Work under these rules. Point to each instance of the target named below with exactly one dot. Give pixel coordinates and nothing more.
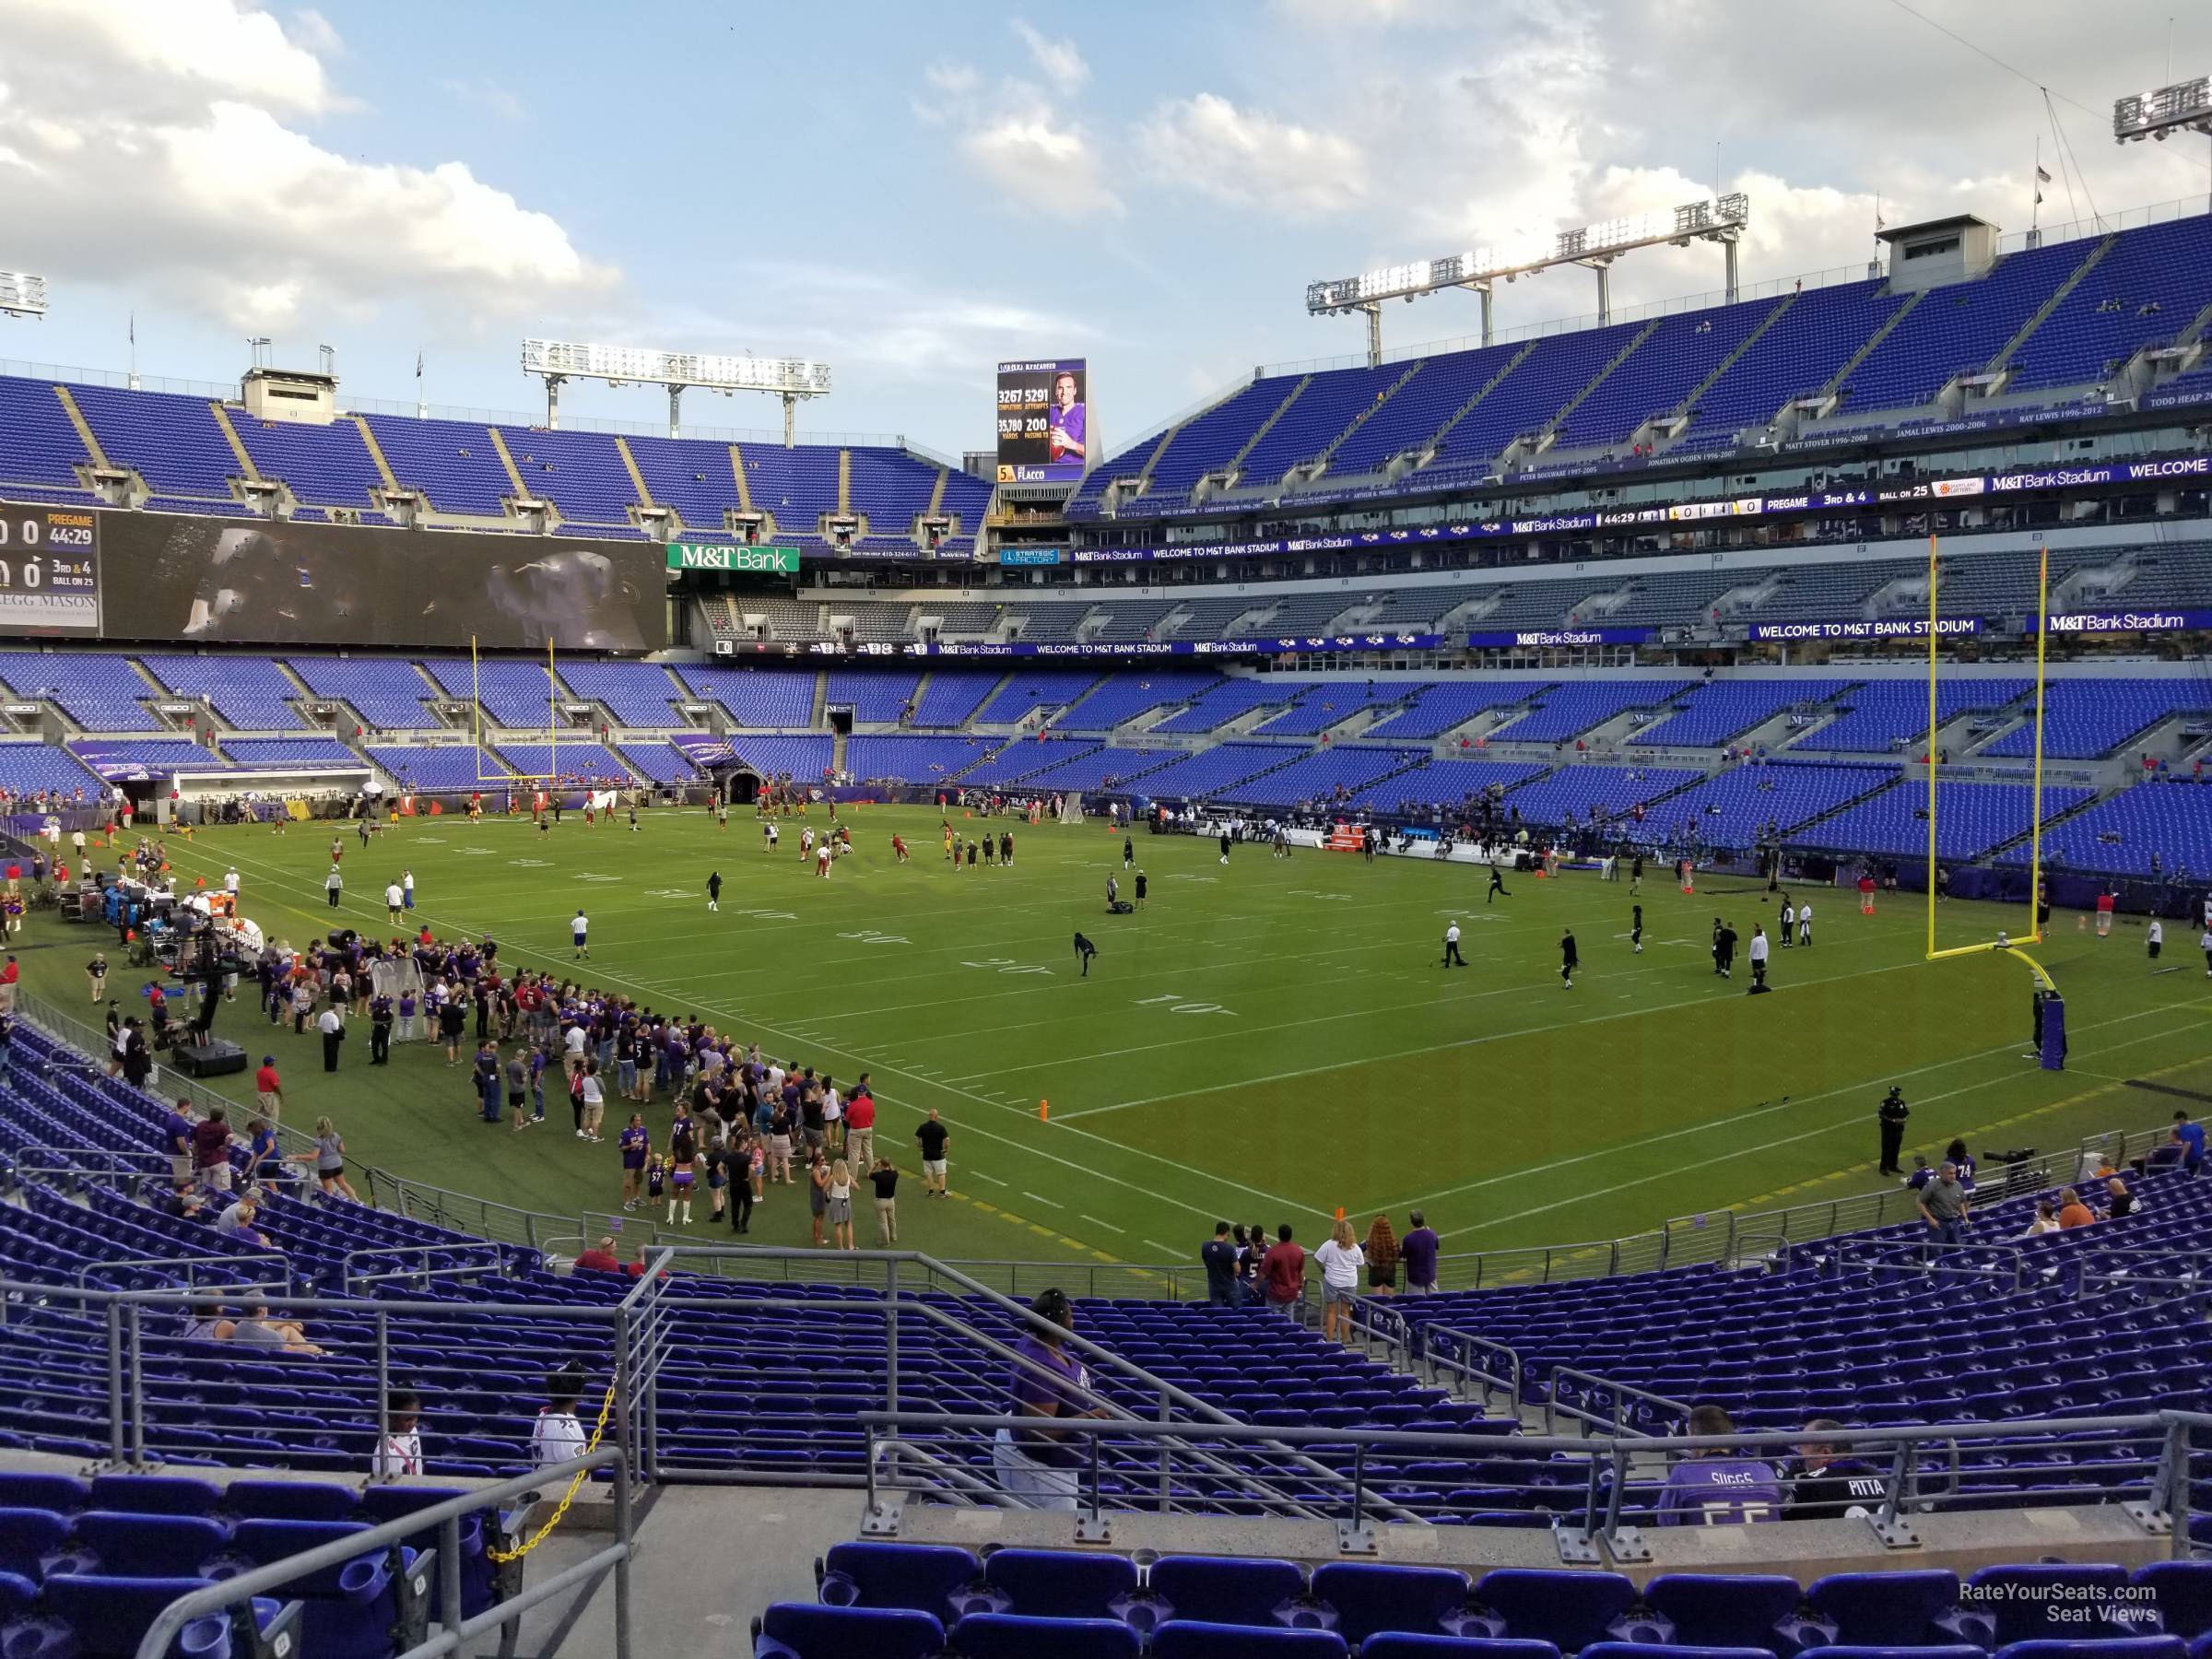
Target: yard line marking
(1457, 1042)
(1109, 1225)
(783, 1033)
(1759, 1112)
(1736, 1152)
(1165, 1249)
(979, 1175)
(1040, 1199)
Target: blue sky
(913, 192)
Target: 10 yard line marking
(1109, 1225)
(1165, 1249)
(1040, 1199)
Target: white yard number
(1176, 1004)
(868, 935)
(1005, 965)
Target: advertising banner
(2144, 621)
(714, 555)
(1031, 556)
(1547, 638)
(1861, 627)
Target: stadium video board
(1045, 421)
(49, 570)
(281, 583)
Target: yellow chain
(567, 1497)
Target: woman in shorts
(779, 1145)
(1340, 1260)
(329, 1159)
(838, 1194)
(1382, 1258)
(818, 1193)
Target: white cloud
(489, 96)
(1049, 167)
(891, 328)
(1059, 61)
(1249, 158)
(954, 80)
(1026, 148)
(184, 175)
(156, 58)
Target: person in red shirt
(1283, 1272)
(601, 1257)
(2105, 901)
(270, 1088)
(860, 1126)
(1866, 895)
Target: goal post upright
(2034, 932)
(2035, 805)
(1928, 759)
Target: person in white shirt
(1758, 958)
(2156, 937)
(557, 1435)
(230, 882)
(399, 1453)
(1452, 954)
(1804, 922)
(395, 899)
(1340, 1259)
(332, 1026)
(580, 931)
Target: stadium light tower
(788, 377)
(23, 295)
(2184, 107)
(1594, 247)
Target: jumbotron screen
(1044, 421)
(269, 583)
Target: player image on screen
(1064, 432)
(1044, 431)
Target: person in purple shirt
(1066, 425)
(1417, 1249)
(1712, 1486)
(1039, 1467)
(635, 1141)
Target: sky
(913, 192)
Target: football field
(1266, 1040)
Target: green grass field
(1266, 1040)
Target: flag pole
(2035, 188)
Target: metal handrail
(446, 1517)
(1447, 1349)
(284, 1281)
(404, 1274)
(1553, 1409)
(2175, 1428)
(1169, 1394)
